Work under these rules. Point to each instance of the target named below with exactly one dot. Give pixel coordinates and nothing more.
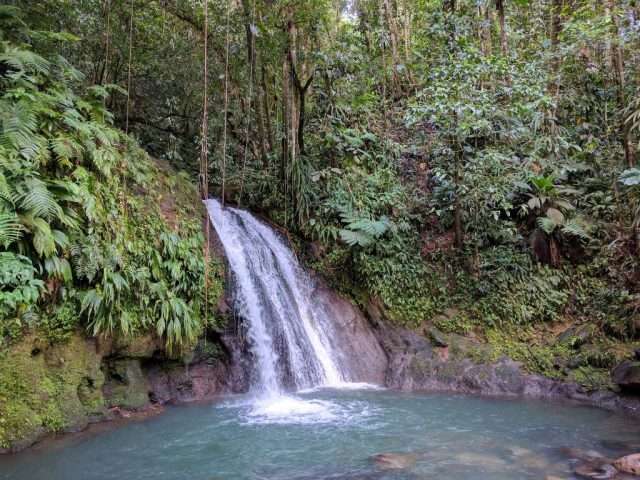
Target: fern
(60, 207)
(36, 199)
(356, 239)
(362, 232)
(375, 228)
(576, 228)
(630, 177)
(546, 224)
(10, 229)
(23, 61)
(66, 149)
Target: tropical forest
(319, 239)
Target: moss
(126, 385)
(453, 321)
(47, 388)
(529, 348)
(591, 378)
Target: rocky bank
(64, 387)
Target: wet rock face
(416, 363)
(126, 386)
(62, 388)
(175, 382)
(45, 388)
(452, 363)
(136, 382)
(358, 346)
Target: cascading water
(289, 333)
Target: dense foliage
(80, 225)
(475, 156)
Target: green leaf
(630, 177)
(353, 239)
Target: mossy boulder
(577, 335)
(45, 388)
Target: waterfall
(290, 334)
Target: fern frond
(10, 229)
(630, 177)
(38, 200)
(546, 224)
(576, 228)
(356, 238)
(23, 61)
(375, 228)
(66, 149)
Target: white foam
(349, 386)
(290, 409)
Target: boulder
(577, 335)
(629, 464)
(627, 375)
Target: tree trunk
(617, 54)
(292, 57)
(266, 105)
(457, 212)
(556, 29)
(302, 94)
(504, 46)
(286, 111)
(252, 59)
(389, 17)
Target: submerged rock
(584, 455)
(621, 446)
(629, 464)
(597, 471)
(485, 461)
(535, 462)
(394, 461)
